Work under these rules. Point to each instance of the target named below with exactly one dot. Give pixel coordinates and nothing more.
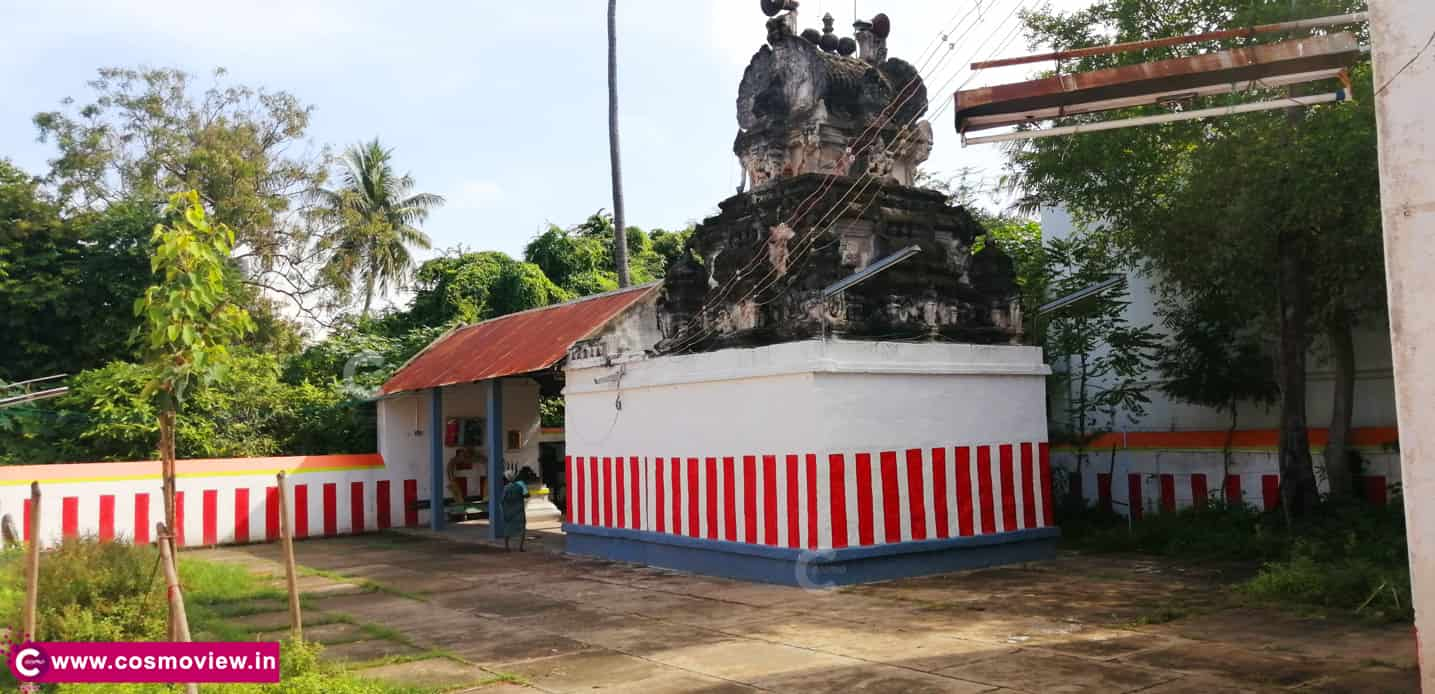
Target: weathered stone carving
(830, 144)
(750, 291)
(806, 105)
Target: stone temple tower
(830, 137)
(785, 434)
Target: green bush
(251, 412)
(91, 591)
(111, 591)
(1350, 557)
(1219, 531)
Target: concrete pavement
(540, 621)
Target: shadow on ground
(470, 617)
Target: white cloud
(473, 195)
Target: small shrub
(92, 591)
(1350, 557)
(111, 591)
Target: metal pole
(437, 515)
(1402, 33)
(495, 458)
(1217, 111)
(1313, 23)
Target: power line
(809, 239)
(806, 242)
(861, 145)
(1407, 64)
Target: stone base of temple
(833, 461)
(815, 568)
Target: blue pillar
(495, 458)
(437, 517)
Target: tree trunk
(1298, 488)
(1075, 491)
(620, 231)
(1230, 441)
(1337, 448)
(166, 457)
(368, 289)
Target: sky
(501, 107)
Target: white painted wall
(810, 396)
(221, 501)
(819, 415)
(1400, 38)
(404, 434)
(1374, 388)
(633, 332)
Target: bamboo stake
(286, 540)
(32, 565)
(180, 628)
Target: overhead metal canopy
(1146, 83)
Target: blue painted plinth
(810, 568)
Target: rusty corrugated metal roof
(514, 344)
(1220, 67)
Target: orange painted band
(1253, 439)
(203, 467)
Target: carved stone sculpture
(806, 102)
(830, 143)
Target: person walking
(515, 509)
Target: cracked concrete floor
(548, 622)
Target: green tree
(578, 258)
(1278, 209)
(190, 318)
(371, 222)
(466, 287)
(250, 412)
(1101, 360)
(564, 255)
(1020, 239)
(145, 132)
(66, 282)
(1215, 356)
(670, 247)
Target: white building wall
(404, 435)
(1374, 409)
(855, 443)
(1374, 388)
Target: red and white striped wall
(1155, 472)
(818, 501)
(217, 502)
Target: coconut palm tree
(370, 223)
(620, 239)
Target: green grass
(503, 678)
(363, 583)
(93, 591)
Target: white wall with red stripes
(812, 445)
(807, 501)
(1140, 482)
(217, 501)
